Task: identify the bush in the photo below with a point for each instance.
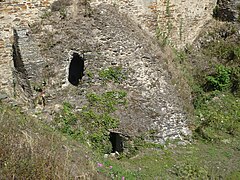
(219, 81)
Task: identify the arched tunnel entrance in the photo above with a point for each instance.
(76, 69)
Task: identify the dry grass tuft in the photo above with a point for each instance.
(179, 75)
(28, 150)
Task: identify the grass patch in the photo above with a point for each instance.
(197, 161)
(219, 118)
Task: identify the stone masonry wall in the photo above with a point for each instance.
(28, 65)
(14, 13)
(181, 20)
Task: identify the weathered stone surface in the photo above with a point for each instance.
(108, 36)
(14, 13)
(111, 38)
(28, 64)
(180, 21)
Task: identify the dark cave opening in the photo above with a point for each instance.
(76, 69)
(116, 141)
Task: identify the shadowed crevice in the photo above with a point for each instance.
(21, 73)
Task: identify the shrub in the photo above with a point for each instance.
(219, 81)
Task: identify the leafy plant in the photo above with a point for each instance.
(114, 74)
(63, 12)
(221, 80)
(67, 122)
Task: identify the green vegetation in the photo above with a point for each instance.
(89, 74)
(219, 81)
(238, 9)
(216, 12)
(92, 124)
(163, 35)
(214, 81)
(223, 51)
(219, 118)
(200, 160)
(114, 74)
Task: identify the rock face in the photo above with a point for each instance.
(109, 38)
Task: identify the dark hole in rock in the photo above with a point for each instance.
(117, 142)
(76, 69)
